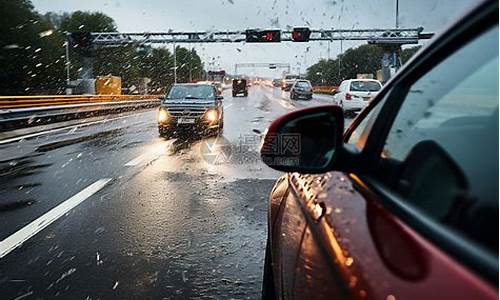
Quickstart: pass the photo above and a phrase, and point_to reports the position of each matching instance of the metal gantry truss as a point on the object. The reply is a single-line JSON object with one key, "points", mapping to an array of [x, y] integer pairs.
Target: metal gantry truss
{"points": [[261, 65], [386, 36], [391, 38]]}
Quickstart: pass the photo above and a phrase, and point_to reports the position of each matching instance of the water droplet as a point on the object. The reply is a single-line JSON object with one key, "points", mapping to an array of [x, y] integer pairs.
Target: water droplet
{"points": [[349, 261], [46, 33]]}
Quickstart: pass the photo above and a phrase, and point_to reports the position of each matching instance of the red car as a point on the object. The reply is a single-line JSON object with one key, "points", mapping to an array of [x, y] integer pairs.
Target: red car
{"points": [[404, 204]]}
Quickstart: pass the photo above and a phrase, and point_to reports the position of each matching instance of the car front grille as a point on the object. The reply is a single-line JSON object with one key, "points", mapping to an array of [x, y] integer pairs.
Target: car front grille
{"points": [[188, 109]]}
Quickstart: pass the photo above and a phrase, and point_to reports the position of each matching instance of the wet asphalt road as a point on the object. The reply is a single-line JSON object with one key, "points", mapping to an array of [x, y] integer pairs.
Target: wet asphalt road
{"points": [[169, 224]]}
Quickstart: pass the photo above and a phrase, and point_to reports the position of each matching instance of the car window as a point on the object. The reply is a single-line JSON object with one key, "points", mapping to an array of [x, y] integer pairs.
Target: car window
{"points": [[360, 134], [342, 86], [303, 84], [191, 91], [365, 86], [444, 142]]}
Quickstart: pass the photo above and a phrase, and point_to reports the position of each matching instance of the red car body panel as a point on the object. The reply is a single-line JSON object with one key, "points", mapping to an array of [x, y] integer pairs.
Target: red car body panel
{"points": [[352, 247]]}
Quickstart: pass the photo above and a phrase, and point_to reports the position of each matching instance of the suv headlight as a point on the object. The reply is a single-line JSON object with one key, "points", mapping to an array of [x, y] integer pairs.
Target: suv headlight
{"points": [[212, 115], [163, 115]]}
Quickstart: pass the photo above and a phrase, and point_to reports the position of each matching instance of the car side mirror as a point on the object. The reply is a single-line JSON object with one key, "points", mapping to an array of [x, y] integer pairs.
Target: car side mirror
{"points": [[219, 97], [305, 141]]}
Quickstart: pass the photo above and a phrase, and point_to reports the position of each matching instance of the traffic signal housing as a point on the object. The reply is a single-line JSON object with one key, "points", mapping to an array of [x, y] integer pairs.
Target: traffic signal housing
{"points": [[301, 34], [262, 36]]}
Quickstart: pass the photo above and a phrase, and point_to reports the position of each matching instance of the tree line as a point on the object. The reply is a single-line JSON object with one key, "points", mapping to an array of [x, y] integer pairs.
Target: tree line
{"points": [[365, 59], [33, 58]]}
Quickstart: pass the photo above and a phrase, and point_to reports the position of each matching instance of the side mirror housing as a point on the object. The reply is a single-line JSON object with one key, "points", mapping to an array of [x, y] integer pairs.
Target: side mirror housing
{"points": [[305, 141]]}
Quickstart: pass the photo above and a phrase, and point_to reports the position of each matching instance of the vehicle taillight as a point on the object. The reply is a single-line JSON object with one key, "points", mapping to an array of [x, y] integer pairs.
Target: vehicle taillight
{"points": [[348, 96]]}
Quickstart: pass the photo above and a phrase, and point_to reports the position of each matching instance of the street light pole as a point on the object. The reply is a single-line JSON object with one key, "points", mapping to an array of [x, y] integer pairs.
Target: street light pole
{"points": [[340, 60], [328, 50], [397, 13], [190, 66], [175, 64], [67, 63]]}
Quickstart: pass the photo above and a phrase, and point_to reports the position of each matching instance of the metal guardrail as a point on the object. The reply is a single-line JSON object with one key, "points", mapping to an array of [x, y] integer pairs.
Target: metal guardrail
{"points": [[9, 102], [30, 111]]}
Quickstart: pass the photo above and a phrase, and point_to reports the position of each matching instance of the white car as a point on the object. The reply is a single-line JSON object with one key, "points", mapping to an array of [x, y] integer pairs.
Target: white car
{"points": [[354, 94]]}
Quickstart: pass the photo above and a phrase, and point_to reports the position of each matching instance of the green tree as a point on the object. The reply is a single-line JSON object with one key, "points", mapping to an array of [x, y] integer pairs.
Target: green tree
{"points": [[131, 62], [365, 59], [83, 21], [31, 51], [361, 60], [407, 53]]}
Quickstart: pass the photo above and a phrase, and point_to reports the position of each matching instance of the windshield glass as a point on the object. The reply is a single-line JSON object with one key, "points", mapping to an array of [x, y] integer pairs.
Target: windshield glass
{"points": [[303, 84], [191, 91], [132, 135], [365, 86]]}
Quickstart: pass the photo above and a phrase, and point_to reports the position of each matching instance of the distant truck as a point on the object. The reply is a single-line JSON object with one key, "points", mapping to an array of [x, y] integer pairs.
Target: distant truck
{"points": [[108, 85]]}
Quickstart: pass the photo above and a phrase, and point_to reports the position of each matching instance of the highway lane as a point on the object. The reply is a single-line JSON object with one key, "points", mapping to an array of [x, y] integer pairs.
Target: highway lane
{"points": [[157, 219]]}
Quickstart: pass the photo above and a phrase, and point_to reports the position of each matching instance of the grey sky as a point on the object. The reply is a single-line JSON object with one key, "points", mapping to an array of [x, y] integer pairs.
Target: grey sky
{"points": [[162, 15]]}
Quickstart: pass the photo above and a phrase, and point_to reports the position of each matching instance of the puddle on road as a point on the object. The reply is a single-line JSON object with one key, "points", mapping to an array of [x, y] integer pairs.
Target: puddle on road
{"points": [[20, 168], [8, 205]]}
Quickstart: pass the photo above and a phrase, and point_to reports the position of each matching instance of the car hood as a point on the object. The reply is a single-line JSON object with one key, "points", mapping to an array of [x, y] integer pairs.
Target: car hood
{"points": [[188, 103]]}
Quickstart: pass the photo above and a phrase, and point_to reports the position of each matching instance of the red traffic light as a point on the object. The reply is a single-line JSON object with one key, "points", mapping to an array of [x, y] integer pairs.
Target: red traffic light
{"points": [[301, 34], [262, 36]]}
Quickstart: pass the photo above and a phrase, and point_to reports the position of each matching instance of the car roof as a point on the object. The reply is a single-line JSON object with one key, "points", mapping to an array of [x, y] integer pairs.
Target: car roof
{"points": [[193, 84], [363, 79]]}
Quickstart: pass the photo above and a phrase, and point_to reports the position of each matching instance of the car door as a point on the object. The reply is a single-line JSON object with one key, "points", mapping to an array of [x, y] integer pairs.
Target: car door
{"points": [[420, 220], [339, 96], [287, 230]]}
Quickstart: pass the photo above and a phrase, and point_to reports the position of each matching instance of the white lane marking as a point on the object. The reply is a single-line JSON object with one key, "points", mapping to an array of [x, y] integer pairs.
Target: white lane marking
{"points": [[18, 238], [18, 138], [151, 154]]}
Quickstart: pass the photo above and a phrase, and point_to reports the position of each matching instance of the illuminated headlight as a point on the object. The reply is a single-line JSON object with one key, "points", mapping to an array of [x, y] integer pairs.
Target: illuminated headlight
{"points": [[212, 115], [163, 115]]}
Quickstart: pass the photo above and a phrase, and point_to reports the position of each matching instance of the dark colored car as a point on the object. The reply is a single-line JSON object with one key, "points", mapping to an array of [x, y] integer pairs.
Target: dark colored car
{"points": [[191, 108], [240, 87], [301, 89], [404, 204]]}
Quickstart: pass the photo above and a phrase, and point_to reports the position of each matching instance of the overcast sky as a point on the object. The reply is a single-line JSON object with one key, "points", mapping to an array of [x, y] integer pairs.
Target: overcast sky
{"points": [[178, 15]]}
